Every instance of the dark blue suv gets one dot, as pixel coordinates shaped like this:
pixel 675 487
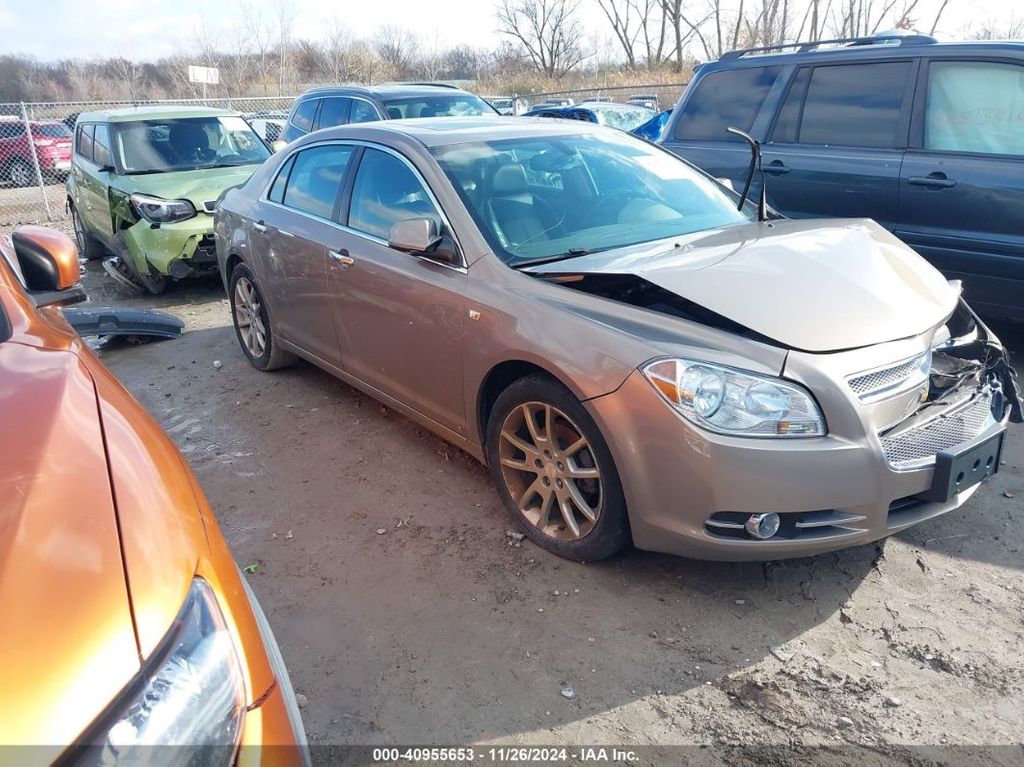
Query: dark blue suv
pixel 926 138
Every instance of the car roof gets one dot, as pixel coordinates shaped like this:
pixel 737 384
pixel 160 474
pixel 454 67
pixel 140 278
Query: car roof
pixel 393 90
pixel 447 131
pixel 884 46
pixel 155 112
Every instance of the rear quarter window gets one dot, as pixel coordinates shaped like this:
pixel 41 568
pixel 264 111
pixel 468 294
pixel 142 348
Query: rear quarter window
pixel 302 117
pixel 725 99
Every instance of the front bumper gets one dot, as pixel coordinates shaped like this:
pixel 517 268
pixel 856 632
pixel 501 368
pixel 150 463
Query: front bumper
pixel 174 250
pixel 839 487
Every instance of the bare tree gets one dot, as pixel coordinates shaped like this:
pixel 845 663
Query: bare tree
pixel 128 73
pixel 639 27
pixel 1011 28
pixel 396 46
pixel 548 31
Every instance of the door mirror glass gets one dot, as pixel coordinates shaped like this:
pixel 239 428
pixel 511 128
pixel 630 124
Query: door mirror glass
pixel 414 235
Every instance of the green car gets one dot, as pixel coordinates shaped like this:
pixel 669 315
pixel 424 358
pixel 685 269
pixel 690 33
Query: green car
pixel 144 183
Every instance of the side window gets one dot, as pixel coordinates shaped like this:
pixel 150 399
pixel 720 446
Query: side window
pixel 315 179
pixel 362 112
pixel 302 117
pixel 83 145
pixel 727 99
pixel 101 147
pixel 975 106
pixel 276 193
pixel 854 105
pixel 11 128
pixel 788 121
pixel 332 112
pixel 386 191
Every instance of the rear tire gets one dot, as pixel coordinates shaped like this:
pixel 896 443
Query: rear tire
pixel 251 318
pixel 89 247
pixel 554 471
pixel 21 174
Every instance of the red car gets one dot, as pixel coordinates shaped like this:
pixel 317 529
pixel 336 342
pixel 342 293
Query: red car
pixel 52 141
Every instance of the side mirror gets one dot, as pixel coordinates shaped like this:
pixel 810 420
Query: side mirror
pixel 414 235
pixel 49 265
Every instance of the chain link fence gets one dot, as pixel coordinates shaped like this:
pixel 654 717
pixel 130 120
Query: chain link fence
pixel 36 139
pixel 36 144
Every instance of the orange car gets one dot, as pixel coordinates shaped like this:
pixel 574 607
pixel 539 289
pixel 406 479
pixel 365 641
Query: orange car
pixel 126 623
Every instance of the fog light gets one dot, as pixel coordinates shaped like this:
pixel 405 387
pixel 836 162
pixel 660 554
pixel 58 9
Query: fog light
pixel 762 526
pixel 179 268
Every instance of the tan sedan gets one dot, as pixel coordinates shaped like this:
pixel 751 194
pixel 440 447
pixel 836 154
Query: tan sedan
pixel 635 356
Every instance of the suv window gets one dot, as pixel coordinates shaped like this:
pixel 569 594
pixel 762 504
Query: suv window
pixel 333 112
pixel 101 147
pixel 975 106
pixel 315 179
pixel 362 112
pixel 83 142
pixel 302 117
pixel 386 191
pixel 727 99
pixel 851 104
pixel 11 128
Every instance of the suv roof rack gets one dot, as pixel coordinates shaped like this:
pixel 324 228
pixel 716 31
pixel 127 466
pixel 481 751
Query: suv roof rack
pixel 437 85
pixel 805 47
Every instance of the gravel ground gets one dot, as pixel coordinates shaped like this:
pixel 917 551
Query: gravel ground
pixel 407 615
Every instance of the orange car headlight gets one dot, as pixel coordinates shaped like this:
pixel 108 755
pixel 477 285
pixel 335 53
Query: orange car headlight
pixel 190 693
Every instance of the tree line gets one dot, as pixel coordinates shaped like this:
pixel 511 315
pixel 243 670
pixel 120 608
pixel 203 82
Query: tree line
pixel 545 46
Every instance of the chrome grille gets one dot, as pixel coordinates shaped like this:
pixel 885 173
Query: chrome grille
pixel 899 377
pixel 916 447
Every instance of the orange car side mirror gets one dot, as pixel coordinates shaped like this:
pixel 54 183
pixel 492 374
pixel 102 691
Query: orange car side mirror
pixel 49 265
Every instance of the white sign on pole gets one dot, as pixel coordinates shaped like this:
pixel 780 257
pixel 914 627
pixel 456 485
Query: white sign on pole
pixel 204 75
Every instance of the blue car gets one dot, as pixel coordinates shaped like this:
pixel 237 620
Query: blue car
pixel 926 138
pixel 622 116
pixel 653 128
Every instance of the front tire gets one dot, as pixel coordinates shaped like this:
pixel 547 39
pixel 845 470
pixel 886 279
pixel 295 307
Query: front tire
pixel 21 174
pixel 88 247
pixel 554 471
pixel 252 322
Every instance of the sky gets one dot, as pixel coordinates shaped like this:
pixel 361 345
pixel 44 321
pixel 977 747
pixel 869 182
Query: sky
pixel 56 29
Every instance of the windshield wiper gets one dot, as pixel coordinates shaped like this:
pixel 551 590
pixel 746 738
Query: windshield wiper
pixel 570 253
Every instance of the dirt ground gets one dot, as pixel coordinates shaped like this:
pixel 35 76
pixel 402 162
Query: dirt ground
pixel 442 630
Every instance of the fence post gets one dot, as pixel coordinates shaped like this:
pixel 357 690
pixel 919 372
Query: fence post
pixel 35 159
pixel 227 103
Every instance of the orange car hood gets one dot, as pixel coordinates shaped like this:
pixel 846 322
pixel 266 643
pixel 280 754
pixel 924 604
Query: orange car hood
pixel 67 642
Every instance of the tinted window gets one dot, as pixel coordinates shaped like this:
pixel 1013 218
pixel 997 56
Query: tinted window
pixel 101 147
pixel 386 191
pixel 302 117
pixel 362 112
pixel 315 179
pixel 332 112
pixel 52 130
pixel 788 121
pixel 453 104
pixel 729 99
pixel 854 105
pixel 975 106
pixel 11 128
pixel 84 144
pixel 276 193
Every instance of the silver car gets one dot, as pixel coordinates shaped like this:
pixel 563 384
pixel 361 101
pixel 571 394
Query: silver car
pixel 636 356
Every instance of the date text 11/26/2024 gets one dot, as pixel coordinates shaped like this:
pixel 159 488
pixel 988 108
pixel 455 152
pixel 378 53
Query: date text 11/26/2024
pixel 502 754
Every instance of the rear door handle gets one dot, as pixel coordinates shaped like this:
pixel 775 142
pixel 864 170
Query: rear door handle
pixel 934 180
pixel 775 167
pixel 342 257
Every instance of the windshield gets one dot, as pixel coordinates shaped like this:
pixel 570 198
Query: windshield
pixel 622 118
pixel 52 130
pixel 541 198
pixel 186 143
pixel 453 104
pixel 501 103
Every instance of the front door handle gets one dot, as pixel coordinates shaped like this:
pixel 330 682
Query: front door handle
pixel 936 180
pixel 342 257
pixel 259 226
pixel 775 167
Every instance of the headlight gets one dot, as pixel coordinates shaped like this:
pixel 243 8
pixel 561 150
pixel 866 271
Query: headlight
pixel 157 210
pixel 190 693
pixel 735 402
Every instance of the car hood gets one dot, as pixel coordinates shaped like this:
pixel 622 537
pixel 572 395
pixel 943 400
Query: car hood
pixel 816 286
pixel 67 645
pixel 196 186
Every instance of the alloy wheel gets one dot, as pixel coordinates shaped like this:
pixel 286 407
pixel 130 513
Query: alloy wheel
pixel 20 174
pixel 548 466
pixel 249 317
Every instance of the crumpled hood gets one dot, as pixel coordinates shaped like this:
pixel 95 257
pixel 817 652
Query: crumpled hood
pixel 196 186
pixel 812 285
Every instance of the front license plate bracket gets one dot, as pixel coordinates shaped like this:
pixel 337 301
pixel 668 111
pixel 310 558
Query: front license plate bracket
pixel 964 466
